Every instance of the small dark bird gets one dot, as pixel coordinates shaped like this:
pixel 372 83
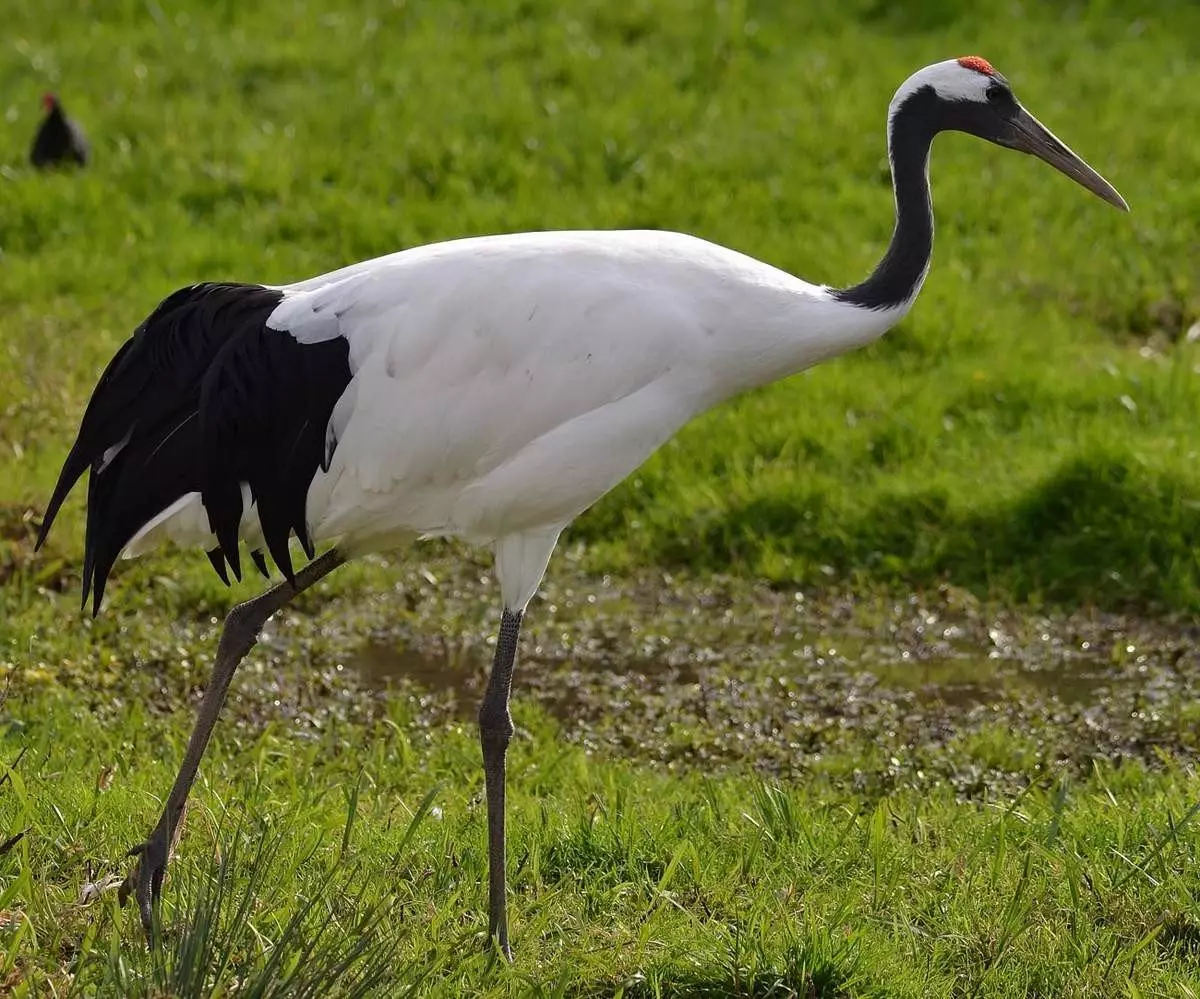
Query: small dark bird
pixel 59 140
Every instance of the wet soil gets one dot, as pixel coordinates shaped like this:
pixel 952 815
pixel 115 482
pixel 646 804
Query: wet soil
pixel 868 692
pixel 874 693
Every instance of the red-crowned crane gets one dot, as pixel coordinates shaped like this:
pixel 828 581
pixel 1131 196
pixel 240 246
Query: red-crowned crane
pixel 489 389
pixel 59 138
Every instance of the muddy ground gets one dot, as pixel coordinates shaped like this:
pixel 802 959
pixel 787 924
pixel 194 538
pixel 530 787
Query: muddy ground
pixel 868 693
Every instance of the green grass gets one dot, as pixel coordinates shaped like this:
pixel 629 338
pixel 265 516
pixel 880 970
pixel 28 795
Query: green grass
pixel 1028 430
pixel 1027 435
pixel 627 882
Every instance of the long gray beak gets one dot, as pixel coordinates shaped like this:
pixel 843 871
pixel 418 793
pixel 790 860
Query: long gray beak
pixel 1030 136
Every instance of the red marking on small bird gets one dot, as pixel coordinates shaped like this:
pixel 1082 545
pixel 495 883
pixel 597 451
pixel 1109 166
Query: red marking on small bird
pixel 49 101
pixel 977 63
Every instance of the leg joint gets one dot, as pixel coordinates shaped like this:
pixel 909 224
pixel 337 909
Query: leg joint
pixel 495 727
pixel 247 619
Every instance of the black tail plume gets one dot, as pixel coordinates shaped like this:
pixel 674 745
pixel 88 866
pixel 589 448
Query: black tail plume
pixel 202 398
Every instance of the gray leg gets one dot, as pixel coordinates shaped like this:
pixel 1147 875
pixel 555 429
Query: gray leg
pixel 495 730
pixel 240 633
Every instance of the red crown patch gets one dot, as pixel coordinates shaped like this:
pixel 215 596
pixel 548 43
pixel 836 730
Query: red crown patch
pixel 977 63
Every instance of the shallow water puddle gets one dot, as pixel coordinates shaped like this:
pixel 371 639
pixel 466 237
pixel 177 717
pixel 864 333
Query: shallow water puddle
pixel 564 686
pixel 380 665
pixel 967 681
pixel 461 673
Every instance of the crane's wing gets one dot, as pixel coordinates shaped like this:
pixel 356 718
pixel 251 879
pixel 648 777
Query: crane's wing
pixel 464 367
pixel 203 397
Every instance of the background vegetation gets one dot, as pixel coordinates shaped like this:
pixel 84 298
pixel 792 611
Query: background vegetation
pixel 1026 438
pixel 1028 431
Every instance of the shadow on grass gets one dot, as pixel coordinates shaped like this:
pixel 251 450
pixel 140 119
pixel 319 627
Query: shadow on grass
pixel 912 16
pixel 1101 531
pixel 1097 531
pixel 824 966
pixel 1180 939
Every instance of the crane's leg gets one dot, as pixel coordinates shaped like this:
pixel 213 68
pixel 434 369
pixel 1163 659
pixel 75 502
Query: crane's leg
pixel 240 633
pixel 495 730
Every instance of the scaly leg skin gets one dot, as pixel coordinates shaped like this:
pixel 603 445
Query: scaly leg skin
pixel 241 630
pixel 495 731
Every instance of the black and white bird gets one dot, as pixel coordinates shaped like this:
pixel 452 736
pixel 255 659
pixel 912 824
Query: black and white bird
pixel 489 389
pixel 59 138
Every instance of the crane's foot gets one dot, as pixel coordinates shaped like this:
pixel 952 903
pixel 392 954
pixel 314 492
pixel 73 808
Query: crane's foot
pixel 145 880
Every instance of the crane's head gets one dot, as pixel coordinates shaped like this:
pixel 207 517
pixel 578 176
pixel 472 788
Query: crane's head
pixel 49 101
pixel 968 95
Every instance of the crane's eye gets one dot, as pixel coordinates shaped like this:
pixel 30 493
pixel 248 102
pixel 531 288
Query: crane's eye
pixel 1000 97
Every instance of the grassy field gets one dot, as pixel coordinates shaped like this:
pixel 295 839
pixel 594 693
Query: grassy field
pixel 628 881
pixel 1020 454
pixel 1027 431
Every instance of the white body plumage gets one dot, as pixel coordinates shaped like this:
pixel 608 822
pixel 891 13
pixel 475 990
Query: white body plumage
pixel 502 384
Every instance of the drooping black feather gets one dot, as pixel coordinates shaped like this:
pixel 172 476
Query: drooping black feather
pixel 149 474
pixel 260 563
pixel 217 561
pixel 159 369
pixel 268 432
pixel 202 398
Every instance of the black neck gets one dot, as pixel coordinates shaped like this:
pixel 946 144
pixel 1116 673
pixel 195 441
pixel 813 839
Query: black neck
pixel 899 274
